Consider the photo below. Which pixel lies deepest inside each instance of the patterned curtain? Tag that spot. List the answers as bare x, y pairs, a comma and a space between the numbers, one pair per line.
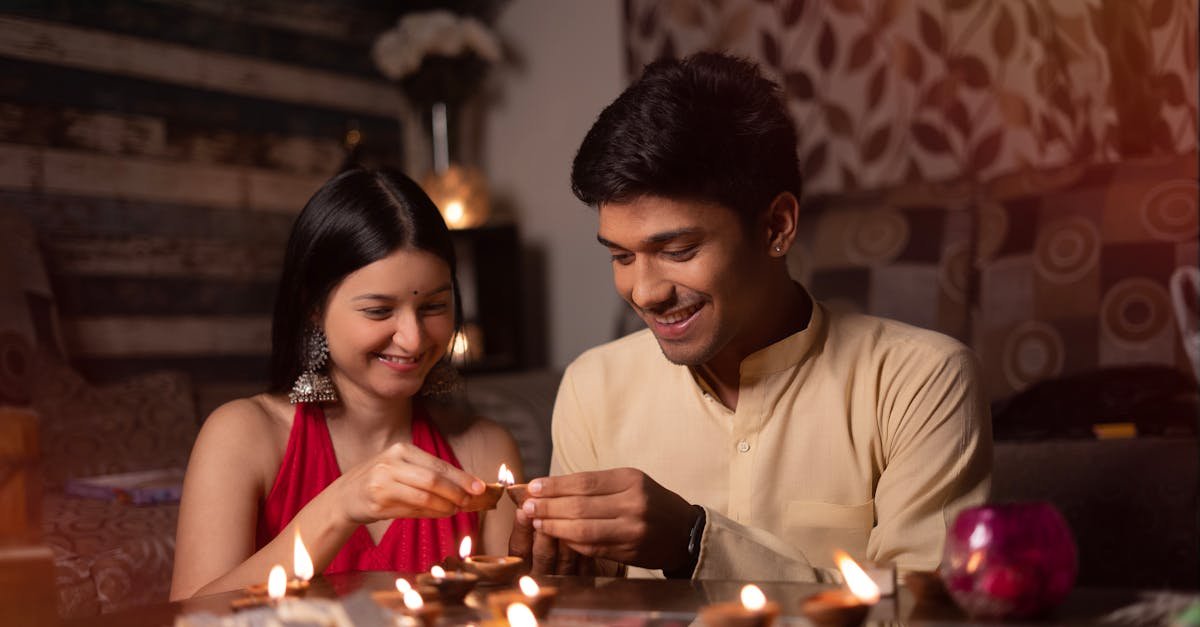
891, 91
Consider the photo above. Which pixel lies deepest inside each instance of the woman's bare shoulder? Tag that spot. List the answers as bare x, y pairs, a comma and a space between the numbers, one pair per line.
247, 423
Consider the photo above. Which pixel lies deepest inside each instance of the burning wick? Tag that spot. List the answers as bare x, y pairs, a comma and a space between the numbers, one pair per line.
753, 610
464, 547
505, 476
844, 607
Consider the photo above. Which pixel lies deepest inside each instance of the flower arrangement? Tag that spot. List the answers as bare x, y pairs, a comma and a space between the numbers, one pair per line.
436, 56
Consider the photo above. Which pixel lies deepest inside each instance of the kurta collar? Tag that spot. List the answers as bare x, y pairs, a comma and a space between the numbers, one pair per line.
789, 351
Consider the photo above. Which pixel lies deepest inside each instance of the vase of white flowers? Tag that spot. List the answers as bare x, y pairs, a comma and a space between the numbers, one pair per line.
439, 59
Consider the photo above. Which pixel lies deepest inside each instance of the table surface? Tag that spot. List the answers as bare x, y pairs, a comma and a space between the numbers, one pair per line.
635, 603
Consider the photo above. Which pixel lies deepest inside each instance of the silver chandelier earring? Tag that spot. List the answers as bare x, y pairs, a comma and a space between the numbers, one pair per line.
312, 386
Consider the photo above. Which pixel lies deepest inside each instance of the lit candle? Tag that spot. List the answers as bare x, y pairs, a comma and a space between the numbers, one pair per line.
451, 587
844, 607
539, 599
500, 569
302, 568
752, 611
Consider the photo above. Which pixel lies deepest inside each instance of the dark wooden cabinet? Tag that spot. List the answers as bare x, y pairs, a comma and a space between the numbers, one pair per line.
489, 274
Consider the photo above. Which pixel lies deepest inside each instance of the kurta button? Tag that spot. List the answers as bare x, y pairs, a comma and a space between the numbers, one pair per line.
743, 446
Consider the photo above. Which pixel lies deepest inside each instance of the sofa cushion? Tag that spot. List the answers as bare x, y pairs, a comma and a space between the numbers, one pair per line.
142, 423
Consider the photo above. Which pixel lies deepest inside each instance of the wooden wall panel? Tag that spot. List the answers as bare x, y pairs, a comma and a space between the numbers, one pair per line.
162, 148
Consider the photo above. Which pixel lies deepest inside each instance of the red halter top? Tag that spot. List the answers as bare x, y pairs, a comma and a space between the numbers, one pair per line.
410, 545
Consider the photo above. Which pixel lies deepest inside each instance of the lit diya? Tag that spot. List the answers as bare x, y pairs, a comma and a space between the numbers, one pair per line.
517, 492
753, 610
492, 492
491, 569
302, 569
275, 589
843, 607
539, 599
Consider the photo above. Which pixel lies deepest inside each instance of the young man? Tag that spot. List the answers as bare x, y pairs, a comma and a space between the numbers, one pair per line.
749, 432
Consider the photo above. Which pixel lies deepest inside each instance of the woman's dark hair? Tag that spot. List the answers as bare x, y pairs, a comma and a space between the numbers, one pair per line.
709, 127
357, 218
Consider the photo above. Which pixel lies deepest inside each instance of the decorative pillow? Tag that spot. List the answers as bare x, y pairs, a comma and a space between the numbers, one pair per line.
142, 423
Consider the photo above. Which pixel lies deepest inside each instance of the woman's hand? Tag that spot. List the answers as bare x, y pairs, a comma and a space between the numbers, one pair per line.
404, 482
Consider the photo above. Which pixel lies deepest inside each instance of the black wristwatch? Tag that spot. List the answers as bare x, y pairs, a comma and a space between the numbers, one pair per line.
689, 568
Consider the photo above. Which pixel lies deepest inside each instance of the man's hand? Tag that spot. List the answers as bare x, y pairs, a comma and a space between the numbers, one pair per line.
620, 514
544, 554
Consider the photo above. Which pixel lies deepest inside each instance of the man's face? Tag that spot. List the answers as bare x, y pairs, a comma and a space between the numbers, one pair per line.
688, 269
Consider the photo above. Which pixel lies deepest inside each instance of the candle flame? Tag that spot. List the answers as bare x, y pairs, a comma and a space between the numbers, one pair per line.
277, 583
464, 549
753, 598
506, 476
402, 585
529, 586
438, 572
413, 600
519, 615
860, 583
302, 565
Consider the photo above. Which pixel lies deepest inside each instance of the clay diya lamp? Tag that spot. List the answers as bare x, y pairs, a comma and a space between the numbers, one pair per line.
449, 587
302, 568
274, 590
518, 493
492, 492
539, 599
843, 607
753, 610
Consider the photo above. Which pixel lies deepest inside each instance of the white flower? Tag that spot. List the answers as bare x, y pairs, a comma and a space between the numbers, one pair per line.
400, 50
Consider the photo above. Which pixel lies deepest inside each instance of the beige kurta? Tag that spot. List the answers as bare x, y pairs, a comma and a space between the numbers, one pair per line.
858, 433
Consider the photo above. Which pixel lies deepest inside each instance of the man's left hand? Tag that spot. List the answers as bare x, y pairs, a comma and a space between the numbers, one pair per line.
619, 514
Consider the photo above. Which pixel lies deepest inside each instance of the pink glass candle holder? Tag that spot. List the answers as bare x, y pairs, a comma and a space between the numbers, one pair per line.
1010, 560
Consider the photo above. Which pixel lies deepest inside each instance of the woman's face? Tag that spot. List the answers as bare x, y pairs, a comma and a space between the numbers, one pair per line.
388, 323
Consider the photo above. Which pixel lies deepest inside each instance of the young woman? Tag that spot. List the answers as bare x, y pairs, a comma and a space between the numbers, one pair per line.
378, 478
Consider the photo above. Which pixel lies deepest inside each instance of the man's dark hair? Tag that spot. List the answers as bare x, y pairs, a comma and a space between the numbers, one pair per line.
708, 127
357, 218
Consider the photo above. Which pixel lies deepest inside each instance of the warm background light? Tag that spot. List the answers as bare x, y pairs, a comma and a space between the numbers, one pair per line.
402, 585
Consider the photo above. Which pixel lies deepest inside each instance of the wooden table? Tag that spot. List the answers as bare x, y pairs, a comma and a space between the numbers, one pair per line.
636, 603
